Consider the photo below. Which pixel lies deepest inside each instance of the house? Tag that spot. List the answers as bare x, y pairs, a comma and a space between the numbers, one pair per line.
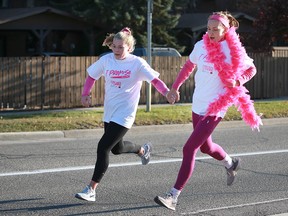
32, 30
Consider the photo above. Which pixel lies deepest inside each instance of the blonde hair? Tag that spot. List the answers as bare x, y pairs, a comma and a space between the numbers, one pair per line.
125, 34
227, 15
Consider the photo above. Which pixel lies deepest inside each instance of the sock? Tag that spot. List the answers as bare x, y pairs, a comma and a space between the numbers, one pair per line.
227, 161
175, 192
91, 188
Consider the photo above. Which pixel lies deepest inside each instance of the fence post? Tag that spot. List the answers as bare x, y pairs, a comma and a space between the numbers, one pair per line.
42, 83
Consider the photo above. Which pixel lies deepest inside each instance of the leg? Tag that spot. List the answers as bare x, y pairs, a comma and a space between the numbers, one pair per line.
113, 134
129, 147
203, 128
125, 147
213, 149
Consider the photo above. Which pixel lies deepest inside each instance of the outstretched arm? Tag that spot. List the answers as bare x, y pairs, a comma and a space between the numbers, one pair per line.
183, 75
160, 86
85, 99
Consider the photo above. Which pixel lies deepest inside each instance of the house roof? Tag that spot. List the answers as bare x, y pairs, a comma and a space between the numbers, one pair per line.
198, 21
8, 15
26, 18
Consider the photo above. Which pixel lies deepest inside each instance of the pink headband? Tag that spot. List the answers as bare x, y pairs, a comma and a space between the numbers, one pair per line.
223, 20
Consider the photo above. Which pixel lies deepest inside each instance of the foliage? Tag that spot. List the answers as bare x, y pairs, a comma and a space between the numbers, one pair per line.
114, 15
163, 23
271, 26
249, 7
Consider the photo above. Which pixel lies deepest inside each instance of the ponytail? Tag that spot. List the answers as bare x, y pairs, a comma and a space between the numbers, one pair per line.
125, 34
108, 40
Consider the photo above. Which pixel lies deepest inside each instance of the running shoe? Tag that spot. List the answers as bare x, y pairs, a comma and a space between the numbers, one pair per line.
232, 171
168, 201
87, 194
145, 158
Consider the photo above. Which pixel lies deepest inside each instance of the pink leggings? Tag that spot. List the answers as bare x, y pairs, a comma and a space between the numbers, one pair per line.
201, 138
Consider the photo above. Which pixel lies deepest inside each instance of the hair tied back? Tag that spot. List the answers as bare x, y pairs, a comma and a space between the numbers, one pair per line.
126, 30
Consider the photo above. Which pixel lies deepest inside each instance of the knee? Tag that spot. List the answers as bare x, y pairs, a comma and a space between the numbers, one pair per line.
116, 150
185, 149
102, 149
205, 150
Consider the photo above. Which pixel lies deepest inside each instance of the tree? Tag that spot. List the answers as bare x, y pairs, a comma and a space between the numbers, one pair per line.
114, 15
164, 23
249, 7
271, 26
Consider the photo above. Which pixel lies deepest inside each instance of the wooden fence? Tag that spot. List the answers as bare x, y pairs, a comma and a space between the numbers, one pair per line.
56, 82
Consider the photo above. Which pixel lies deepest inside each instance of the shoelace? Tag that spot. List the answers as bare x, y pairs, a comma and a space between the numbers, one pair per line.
146, 152
88, 190
168, 195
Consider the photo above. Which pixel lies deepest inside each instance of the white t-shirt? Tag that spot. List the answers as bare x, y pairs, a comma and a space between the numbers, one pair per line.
123, 81
208, 85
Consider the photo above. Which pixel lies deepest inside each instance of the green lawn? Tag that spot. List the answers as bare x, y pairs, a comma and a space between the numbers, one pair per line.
88, 119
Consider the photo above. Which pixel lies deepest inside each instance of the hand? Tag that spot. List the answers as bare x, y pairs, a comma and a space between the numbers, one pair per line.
232, 83
86, 101
173, 96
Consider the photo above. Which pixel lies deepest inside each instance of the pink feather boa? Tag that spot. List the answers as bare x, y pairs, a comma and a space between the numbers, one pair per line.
233, 96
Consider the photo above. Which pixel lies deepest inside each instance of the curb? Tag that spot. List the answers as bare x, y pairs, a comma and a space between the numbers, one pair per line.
13, 136
46, 135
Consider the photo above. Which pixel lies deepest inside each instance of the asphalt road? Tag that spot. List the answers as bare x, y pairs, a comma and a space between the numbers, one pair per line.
41, 172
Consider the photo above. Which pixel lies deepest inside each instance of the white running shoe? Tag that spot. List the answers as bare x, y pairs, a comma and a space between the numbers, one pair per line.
87, 194
168, 201
145, 158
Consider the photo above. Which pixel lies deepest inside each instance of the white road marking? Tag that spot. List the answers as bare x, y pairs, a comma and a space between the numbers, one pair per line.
234, 206
65, 169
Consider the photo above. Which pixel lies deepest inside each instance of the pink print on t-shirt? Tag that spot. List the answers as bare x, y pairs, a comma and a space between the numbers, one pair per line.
116, 84
121, 74
203, 57
208, 69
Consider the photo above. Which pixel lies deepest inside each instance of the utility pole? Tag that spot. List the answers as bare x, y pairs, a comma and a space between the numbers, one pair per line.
149, 39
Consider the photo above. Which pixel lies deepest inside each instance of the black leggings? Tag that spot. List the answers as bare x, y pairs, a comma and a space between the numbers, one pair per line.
112, 140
